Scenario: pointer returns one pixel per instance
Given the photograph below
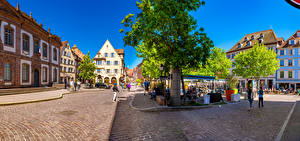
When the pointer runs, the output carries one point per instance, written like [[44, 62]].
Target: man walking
[[146, 85], [260, 98], [115, 90], [250, 97]]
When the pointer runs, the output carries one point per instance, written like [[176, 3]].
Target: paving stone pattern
[[81, 116], [230, 122]]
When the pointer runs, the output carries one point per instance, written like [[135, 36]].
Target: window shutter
[[294, 63], [293, 74], [294, 51], [285, 62], [284, 51], [286, 75]]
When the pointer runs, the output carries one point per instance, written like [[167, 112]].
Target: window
[[233, 55], [65, 61], [65, 69], [290, 63], [68, 62], [65, 53], [281, 63], [249, 43], [8, 36], [245, 39], [45, 74], [261, 35], [36, 47], [240, 45], [228, 56], [252, 37], [281, 74], [45, 50], [25, 73], [260, 41], [25, 43], [281, 52], [108, 71], [116, 70], [116, 62], [98, 62], [107, 62], [7, 72], [71, 62], [105, 54], [55, 54], [112, 54], [298, 34], [290, 74], [98, 70], [55, 75], [292, 42]]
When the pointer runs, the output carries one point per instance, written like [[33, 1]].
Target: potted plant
[[231, 89]]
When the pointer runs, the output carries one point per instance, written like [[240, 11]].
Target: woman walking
[[250, 97]]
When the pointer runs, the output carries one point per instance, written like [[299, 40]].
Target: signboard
[[295, 3]]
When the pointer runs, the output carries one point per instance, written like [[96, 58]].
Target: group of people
[[72, 86], [260, 98]]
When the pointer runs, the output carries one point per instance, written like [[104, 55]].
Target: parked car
[[102, 85]]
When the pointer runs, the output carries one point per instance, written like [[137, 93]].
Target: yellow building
[[67, 63], [110, 64]]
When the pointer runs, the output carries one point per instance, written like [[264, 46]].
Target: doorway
[[36, 78]]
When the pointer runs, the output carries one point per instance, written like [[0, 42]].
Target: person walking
[[115, 90], [75, 85], [71, 85], [78, 84], [146, 85], [260, 98], [250, 97]]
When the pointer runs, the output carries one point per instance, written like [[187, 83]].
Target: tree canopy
[[87, 68], [256, 62]]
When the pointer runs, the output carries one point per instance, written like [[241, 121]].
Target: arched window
[[25, 42], [8, 36]]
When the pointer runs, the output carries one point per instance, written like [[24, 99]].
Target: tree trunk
[[184, 93], [175, 87]]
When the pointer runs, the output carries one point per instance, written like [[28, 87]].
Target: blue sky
[[88, 24]]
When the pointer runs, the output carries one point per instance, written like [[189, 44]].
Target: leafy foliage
[[218, 63], [166, 32], [232, 81], [256, 62], [87, 68]]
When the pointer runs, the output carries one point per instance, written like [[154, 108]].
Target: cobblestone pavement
[[292, 131], [230, 122], [79, 116]]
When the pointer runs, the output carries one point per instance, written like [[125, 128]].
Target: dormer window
[[252, 37], [245, 39], [240, 45], [260, 41], [261, 35], [248, 43], [298, 34], [292, 42]]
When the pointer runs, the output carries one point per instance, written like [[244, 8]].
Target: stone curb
[[34, 101], [113, 120]]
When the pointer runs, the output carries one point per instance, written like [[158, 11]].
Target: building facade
[[29, 55], [78, 55], [288, 76], [110, 64], [266, 37], [67, 63]]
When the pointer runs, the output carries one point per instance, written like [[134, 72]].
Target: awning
[[199, 77]]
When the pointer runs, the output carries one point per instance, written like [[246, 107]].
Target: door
[[36, 78]]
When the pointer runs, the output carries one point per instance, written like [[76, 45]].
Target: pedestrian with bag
[[260, 98], [250, 97], [115, 90]]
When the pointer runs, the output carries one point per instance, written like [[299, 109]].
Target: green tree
[[218, 63], [165, 31], [87, 68], [256, 62]]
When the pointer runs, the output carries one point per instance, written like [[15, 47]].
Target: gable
[[107, 48]]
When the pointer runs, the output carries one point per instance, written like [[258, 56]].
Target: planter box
[[228, 94], [235, 97]]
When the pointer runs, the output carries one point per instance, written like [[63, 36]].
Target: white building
[[110, 64]]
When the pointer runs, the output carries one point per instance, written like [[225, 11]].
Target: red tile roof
[[120, 51], [294, 37], [77, 52]]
